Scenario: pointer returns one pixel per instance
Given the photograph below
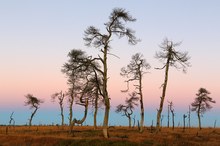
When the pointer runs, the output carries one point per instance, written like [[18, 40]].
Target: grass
[[119, 136]]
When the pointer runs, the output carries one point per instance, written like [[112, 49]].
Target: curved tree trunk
[[32, 115], [75, 121], [163, 96]]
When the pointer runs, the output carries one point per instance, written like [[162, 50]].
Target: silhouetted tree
[[134, 71], [168, 115], [172, 112], [127, 109], [93, 37], [80, 70], [170, 58], [60, 96], [34, 103], [202, 103], [96, 100], [74, 74], [11, 119]]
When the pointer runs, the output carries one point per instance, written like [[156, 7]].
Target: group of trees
[[87, 76]]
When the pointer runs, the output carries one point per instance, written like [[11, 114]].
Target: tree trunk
[[141, 102], [62, 116], [105, 94], [32, 115], [168, 116], [75, 121], [198, 114], [189, 115], [163, 95], [129, 121], [173, 119], [71, 113], [96, 109]]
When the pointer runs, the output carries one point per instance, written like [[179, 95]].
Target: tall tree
[[202, 103], [34, 103], [170, 58], [127, 109], [93, 37], [134, 72], [60, 96]]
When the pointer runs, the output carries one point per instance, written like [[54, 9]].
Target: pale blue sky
[[35, 37]]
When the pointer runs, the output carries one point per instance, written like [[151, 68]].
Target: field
[[119, 136]]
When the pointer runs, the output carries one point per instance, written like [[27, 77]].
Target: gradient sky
[[36, 36]]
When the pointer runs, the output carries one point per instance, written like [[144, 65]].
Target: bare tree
[[134, 72], [127, 109], [34, 103], [170, 58], [60, 96], [93, 37], [202, 103], [11, 120], [172, 112]]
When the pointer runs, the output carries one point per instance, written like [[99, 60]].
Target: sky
[[36, 36]]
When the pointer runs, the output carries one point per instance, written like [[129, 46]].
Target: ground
[[119, 136]]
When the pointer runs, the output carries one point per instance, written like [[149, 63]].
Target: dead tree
[[170, 58], [134, 72], [11, 121], [60, 96], [127, 109], [172, 112]]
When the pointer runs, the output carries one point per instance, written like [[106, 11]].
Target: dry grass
[[85, 135]]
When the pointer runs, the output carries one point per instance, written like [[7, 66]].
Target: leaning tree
[[170, 58], [202, 103], [94, 37], [34, 103], [134, 72]]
